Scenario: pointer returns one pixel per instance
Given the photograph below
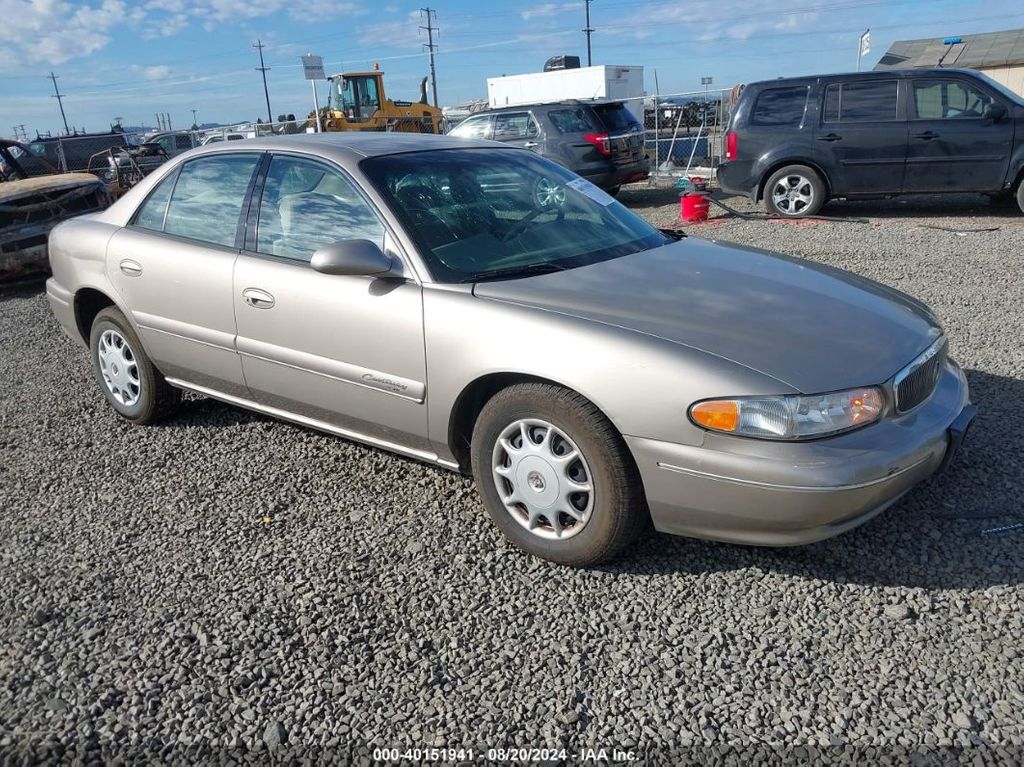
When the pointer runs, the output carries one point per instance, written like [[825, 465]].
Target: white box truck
[[604, 82]]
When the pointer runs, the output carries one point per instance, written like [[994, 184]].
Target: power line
[[588, 29], [431, 15], [60, 101], [263, 69]]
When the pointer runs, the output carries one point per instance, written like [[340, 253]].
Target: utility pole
[[431, 29], [262, 69], [60, 100], [587, 30]]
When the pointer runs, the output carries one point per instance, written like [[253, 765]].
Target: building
[[1000, 55]]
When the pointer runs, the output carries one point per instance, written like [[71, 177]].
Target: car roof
[[348, 145], [549, 105], [883, 74]]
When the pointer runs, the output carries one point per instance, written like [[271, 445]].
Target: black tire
[[618, 508], [156, 399], [614, 191], [802, 179], [1020, 195]]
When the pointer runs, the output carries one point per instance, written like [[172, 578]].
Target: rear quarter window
[[615, 117], [571, 120], [780, 106], [858, 102]]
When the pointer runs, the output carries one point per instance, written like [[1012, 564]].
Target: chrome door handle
[[530, 144], [260, 299], [131, 268], [830, 137]]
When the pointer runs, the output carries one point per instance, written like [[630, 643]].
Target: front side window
[[780, 106], [473, 127], [947, 100], [307, 205], [208, 198], [858, 102], [485, 214], [514, 125]]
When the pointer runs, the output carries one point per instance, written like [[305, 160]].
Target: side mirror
[[353, 258], [995, 111]]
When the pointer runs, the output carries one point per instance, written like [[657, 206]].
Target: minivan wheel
[[794, 191], [1020, 196], [555, 476], [126, 375]]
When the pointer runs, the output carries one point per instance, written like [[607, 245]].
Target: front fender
[[643, 384]]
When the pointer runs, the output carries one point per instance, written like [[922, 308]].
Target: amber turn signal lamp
[[722, 415]]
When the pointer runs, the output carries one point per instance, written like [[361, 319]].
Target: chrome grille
[[916, 382]]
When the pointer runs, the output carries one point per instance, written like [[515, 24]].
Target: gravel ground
[[222, 582]]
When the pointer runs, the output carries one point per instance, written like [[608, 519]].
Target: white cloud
[[54, 31], [158, 72], [549, 9]]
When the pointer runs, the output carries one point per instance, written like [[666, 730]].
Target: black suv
[[601, 141], [796, 142]]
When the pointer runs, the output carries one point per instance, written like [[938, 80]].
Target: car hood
[[809, 326]]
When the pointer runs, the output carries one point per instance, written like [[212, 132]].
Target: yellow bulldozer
[[357, 101]]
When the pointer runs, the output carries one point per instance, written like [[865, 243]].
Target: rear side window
[[571, 120], [780, 106], [514, 125], [615, 117], [873, 101], [207, 200]]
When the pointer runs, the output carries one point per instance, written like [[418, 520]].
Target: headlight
[[790, 417]]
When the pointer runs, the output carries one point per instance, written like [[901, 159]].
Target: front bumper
[[784, 494]]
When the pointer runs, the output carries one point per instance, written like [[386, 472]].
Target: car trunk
[[625, 134]]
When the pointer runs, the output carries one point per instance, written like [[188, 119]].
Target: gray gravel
[[148, 606]]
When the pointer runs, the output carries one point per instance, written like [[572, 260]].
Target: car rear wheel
[[794, 192], [1020, 195], [555, 476], [126, 375]]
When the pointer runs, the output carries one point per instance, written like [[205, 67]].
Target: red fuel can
[[693, 206]]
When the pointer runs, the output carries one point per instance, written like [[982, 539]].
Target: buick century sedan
[[480, 308]]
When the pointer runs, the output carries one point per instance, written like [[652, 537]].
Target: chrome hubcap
[[543, 479], [793, 194], [119, 367]]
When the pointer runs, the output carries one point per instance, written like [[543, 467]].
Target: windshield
[[480, 214]]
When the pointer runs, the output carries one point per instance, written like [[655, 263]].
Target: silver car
[[478, 307]]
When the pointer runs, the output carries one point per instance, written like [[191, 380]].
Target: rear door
[[518, 129], [953, 147], [173, 267], [862, 136]]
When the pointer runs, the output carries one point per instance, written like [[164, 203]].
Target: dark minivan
[[797, 142], [601, 141]]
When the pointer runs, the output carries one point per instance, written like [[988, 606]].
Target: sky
[[133, 58]]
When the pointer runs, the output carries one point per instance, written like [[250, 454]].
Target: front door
[[174, 263], [953, 147], [343, 351], [861, 137]]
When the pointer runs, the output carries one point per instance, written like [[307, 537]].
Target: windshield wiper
[[511, 272]]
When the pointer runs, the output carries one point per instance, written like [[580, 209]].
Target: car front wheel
[[127, 377], [555, 476], [795, 191]]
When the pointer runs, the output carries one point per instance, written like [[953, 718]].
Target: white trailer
[[602, 82]]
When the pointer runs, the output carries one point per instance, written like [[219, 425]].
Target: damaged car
[[31, 205]]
